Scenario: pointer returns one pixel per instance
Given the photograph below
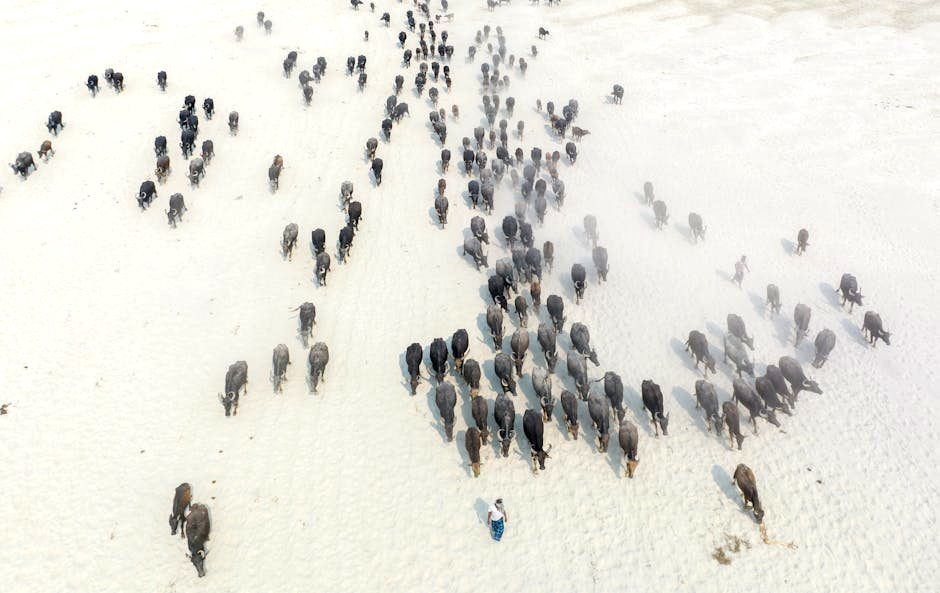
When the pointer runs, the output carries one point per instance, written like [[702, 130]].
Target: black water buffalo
[[519, 343], [629, 439], [504, 269], [848, 285], [318, 238], [182, 498], [764, 386], [556, 311], [318, 358], [471, 246], [801, 316], [92, 84], [471, 375], [24, 164], [472, 444], [377, 165], [236, 380], [510, 228], [695, 224], [599, 255], [494, 320], [737, 328], [502, 367], [873, 329], [613, 389], [569, 403], [468, 159], [590, 229], [744, 479], [745, 394], [159, 145], [571, 150], [197, 534], [233, 123], [354, 214], [825, 342], [322, 265], [473, 188], [308, 318], [533, 260], [177, 207], [733, 420], [459, 344], [802, 241], [542, 383], [479, 409], [662, 216], [280, 358], [653, 402], [697, 346], [578, 278], [414, 354], [617, 94], [445, 396], [548, 254], [577, 370], [208, 107], [648, 195], [163, 168], [497, 288], [187, 142], [734, 349], [707, 399], [581, 340], [289, 240], [773, 298], [533, 427], [780, 384], [197, 170], [546, 338], [478, 229], [146, 194], [599, 410], [522, 310], [504, 414], [438, 354], [346, 236], [792, 371], [54, 123], [445, 160]]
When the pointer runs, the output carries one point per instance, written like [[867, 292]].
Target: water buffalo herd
[[516, 278]]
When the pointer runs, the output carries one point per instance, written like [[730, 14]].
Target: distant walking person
[[496, 519], [739, 268]]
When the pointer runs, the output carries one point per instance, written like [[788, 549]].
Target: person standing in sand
[[739, 268], [496, 519]]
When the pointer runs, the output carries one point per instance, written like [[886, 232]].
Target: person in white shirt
[[739, 268], [496, 519]]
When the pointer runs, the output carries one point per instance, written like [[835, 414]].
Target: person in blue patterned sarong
[[496, 519]]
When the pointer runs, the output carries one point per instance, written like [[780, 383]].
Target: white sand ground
[[117, 330]]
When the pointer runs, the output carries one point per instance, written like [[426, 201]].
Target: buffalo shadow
[[831, 294], [725, 484], [688, 402], [679, 347]]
